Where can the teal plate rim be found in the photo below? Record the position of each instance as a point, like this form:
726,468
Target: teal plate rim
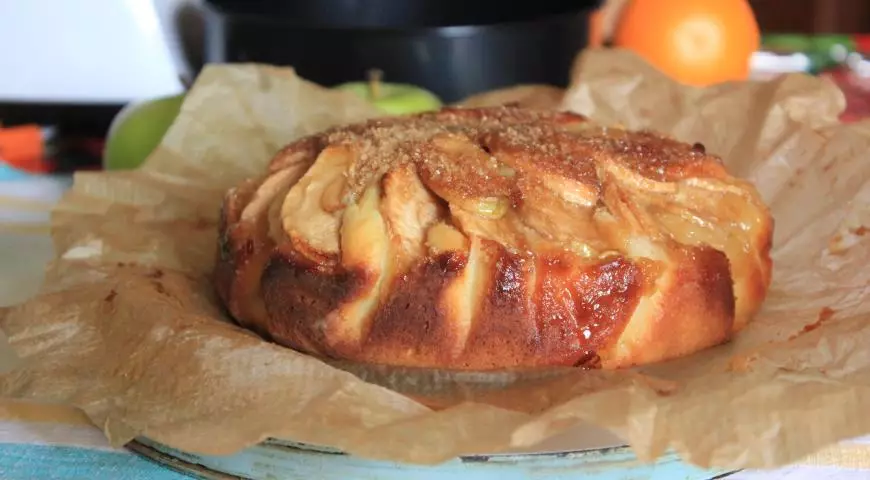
610,463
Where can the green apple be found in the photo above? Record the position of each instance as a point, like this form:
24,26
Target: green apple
137,130
785,42
393,98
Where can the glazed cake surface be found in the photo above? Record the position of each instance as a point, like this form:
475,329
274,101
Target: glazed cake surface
488,238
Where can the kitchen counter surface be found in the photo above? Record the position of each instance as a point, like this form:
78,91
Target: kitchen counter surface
24,240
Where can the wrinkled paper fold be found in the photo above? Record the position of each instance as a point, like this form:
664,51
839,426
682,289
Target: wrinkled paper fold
128,328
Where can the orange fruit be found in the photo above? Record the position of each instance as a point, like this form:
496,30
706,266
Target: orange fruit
596,34
696,42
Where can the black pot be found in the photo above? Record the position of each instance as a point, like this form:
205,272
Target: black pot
454,48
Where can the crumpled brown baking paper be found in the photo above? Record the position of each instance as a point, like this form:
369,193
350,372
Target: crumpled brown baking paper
128,328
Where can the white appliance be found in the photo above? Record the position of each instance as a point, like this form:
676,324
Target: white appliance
90,51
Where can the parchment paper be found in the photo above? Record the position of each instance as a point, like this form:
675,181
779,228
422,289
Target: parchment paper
128,328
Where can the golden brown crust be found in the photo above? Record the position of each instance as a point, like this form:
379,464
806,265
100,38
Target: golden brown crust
493,238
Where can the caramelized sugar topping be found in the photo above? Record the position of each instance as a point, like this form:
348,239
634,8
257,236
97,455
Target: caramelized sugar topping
484,152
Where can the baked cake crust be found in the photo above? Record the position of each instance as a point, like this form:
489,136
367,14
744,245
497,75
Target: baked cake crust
487,238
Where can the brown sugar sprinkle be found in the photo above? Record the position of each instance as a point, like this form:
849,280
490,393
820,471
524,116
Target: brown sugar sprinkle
505,138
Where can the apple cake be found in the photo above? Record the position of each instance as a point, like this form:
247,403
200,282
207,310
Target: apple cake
490,238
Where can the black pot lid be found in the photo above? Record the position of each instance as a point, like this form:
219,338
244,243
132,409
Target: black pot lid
401,13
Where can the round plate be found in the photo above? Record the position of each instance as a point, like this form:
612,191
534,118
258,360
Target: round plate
280,460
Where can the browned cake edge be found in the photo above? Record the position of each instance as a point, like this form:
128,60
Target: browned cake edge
521,321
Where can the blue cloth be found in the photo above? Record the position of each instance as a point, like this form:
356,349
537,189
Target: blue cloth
9,173
48,462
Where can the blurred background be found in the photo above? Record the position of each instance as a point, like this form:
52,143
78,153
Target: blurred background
94,84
